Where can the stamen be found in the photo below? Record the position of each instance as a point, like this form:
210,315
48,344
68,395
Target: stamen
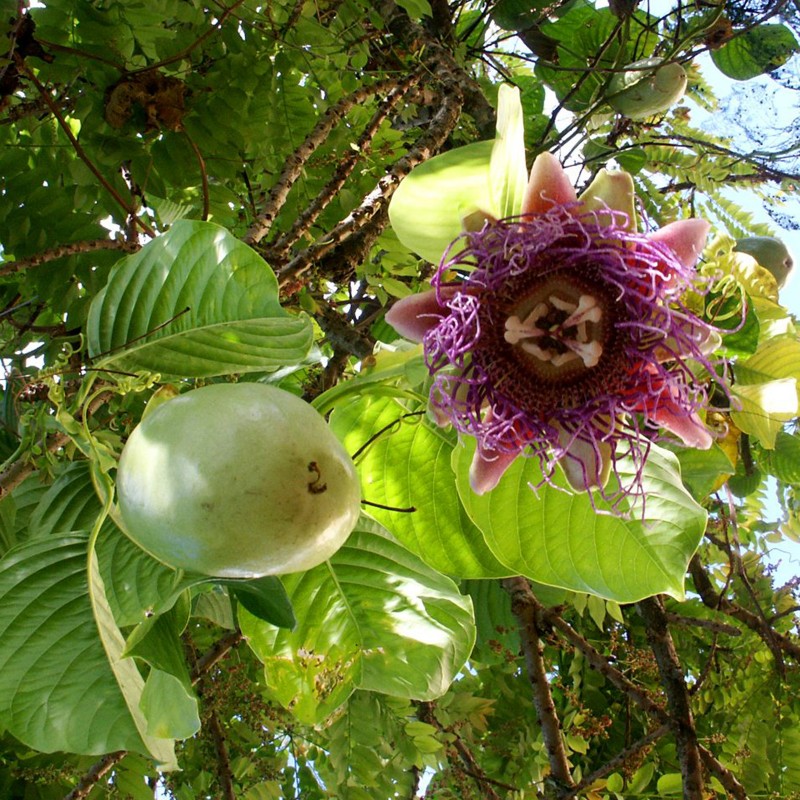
587,310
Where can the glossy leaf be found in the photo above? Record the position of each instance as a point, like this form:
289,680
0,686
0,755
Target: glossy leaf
373,617
57,690
557,538
408,466
194,302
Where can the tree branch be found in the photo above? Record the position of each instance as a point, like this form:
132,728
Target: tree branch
524,607
377,200
224,772
297,160
681,718
62,251
277,251
618,761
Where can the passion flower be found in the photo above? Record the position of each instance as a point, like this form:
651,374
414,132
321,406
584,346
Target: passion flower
561,333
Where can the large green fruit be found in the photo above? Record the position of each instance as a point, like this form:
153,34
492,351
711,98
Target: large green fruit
771,253
237,481
646,87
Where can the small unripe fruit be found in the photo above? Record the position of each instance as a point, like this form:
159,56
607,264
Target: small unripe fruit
646,87
237,481
770,253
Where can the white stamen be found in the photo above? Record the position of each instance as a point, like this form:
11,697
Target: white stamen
587,310
589,352
563,305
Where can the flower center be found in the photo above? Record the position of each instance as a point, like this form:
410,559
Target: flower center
559,329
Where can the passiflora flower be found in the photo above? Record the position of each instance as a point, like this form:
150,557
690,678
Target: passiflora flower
559,331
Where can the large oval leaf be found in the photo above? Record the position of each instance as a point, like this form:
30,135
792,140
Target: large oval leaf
373,617
409,467
57,690
754,52
194,302
557,538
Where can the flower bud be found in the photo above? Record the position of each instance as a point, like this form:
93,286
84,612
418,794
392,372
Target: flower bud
770,253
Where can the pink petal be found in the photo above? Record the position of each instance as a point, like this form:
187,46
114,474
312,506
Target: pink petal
488,466
413,316
686,238
548,185
688,427
586,465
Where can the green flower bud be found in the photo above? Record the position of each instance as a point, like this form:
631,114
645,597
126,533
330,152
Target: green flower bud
771,253
646,87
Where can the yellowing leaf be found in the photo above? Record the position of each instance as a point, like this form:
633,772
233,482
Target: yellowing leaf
764,408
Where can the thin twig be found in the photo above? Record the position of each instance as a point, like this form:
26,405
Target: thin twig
203,175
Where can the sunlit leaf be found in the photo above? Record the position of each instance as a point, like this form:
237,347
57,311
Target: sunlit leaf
373,617
194,302
57,690
558,538
408,467
442,192
761,49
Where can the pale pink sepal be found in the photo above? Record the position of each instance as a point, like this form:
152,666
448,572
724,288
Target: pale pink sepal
686,238
413,316
610,190
587,465
688,427
488,466
548,185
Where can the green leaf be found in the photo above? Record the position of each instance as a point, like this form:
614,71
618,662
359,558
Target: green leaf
69,504
171,711
157,641
128,678
57,690
373,617
194,302
784,461
670,784
702,469
557,538
266,599
762,49
508,174
427,209
767,387
409,467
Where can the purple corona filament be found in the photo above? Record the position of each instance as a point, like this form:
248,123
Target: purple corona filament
563,334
